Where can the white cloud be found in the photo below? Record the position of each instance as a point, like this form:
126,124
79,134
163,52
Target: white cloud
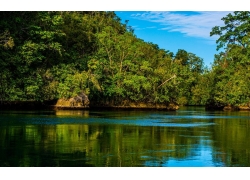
140,28
194,24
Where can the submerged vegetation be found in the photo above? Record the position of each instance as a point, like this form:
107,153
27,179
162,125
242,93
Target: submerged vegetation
51,55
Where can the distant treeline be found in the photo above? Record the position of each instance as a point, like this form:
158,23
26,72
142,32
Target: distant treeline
50,55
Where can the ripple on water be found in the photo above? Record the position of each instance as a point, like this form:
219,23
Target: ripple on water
136,122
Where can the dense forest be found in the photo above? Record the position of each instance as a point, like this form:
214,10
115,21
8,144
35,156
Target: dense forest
57,55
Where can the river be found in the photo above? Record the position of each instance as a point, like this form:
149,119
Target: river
189,137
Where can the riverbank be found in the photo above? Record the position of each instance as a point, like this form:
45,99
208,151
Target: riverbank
227,107
135,105
26,105
54,105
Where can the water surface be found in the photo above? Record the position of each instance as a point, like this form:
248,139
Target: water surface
189,137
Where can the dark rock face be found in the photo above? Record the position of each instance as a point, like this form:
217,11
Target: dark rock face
80,100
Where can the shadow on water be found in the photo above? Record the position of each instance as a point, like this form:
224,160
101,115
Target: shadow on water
189,137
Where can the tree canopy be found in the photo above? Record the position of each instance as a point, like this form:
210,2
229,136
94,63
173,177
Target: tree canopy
230,72
52,55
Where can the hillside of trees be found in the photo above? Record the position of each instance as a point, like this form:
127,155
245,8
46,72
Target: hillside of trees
51,55
230,74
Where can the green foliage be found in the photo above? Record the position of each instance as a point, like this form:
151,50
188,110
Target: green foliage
231,67
51,55
237,27
55,55
6,40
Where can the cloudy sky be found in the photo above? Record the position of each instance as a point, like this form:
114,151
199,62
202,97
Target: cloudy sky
173,30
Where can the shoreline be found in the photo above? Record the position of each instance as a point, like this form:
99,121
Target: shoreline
51,105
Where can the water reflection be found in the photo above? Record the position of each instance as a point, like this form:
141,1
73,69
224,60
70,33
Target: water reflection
189,137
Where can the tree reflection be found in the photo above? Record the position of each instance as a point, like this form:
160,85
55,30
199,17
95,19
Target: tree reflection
101,145
231,140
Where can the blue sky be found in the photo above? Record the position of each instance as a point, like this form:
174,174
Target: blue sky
173,30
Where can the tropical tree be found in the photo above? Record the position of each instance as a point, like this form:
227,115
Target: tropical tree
231,85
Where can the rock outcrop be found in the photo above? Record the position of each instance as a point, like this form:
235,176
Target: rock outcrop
231,108
81,100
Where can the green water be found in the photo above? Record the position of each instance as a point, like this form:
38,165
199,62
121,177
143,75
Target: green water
189,137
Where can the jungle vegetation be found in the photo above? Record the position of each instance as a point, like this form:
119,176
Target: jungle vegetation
51,55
